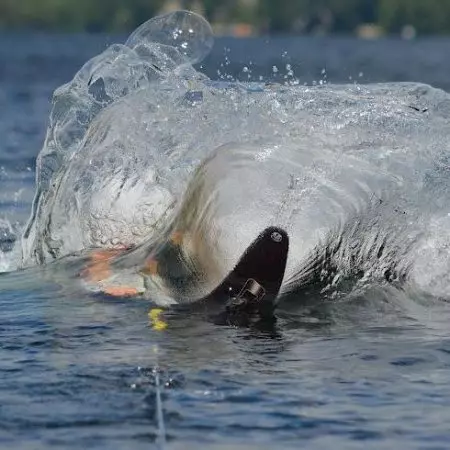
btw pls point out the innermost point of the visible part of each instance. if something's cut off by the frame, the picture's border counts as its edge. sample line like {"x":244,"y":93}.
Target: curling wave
{"x":140,"y":145}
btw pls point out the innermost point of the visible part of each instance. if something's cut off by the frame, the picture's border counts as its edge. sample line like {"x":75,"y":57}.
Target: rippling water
{"x":79,"y":371}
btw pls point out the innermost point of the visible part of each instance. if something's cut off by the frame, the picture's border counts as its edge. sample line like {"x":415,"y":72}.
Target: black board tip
{"x":251,"y":288}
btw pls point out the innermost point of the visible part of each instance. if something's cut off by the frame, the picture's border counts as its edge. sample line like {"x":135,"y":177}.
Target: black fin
{"x":251,"y":289}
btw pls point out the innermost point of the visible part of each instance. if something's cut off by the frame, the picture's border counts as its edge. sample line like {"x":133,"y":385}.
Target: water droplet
{"x":168,"y":30}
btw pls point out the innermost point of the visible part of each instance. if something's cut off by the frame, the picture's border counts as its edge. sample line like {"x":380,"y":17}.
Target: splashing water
{"x":7,"y":244}
{"x":140,"y":143}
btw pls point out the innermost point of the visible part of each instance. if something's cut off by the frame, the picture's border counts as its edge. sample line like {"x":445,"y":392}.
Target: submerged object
{"x":247,"y":293}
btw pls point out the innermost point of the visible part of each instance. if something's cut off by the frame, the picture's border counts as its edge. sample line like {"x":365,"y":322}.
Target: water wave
{"x":140,"y":145}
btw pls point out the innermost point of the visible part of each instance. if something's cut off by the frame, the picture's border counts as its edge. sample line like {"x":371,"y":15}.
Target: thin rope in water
{"x":161,"y":440}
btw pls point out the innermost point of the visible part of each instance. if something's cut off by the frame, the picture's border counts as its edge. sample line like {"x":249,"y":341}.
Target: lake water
{"x":83,"y":372}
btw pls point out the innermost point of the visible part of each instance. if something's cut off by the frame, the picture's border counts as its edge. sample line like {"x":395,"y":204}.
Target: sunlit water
{"x":368,"y":368}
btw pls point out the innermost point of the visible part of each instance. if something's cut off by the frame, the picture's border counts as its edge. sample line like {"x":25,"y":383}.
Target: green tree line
{"x":276,"y":16}
{"x":426,"y":16}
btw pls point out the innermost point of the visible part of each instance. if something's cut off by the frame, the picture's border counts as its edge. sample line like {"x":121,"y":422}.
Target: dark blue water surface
{"x":85,"y":372}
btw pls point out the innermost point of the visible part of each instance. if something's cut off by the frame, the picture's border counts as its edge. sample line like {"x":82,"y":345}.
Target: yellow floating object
{"x":156,"y":322}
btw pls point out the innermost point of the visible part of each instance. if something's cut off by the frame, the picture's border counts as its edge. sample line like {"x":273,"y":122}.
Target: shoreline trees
{"x":264,"y":16}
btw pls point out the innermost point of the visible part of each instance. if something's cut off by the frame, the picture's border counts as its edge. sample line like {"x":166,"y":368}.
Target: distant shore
{"x":368,"y":19}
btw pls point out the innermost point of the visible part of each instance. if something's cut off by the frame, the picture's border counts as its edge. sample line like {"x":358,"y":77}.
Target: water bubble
{"x":186,"y":31}
{"x":289,"y":71}
{"x":275,"y":69}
